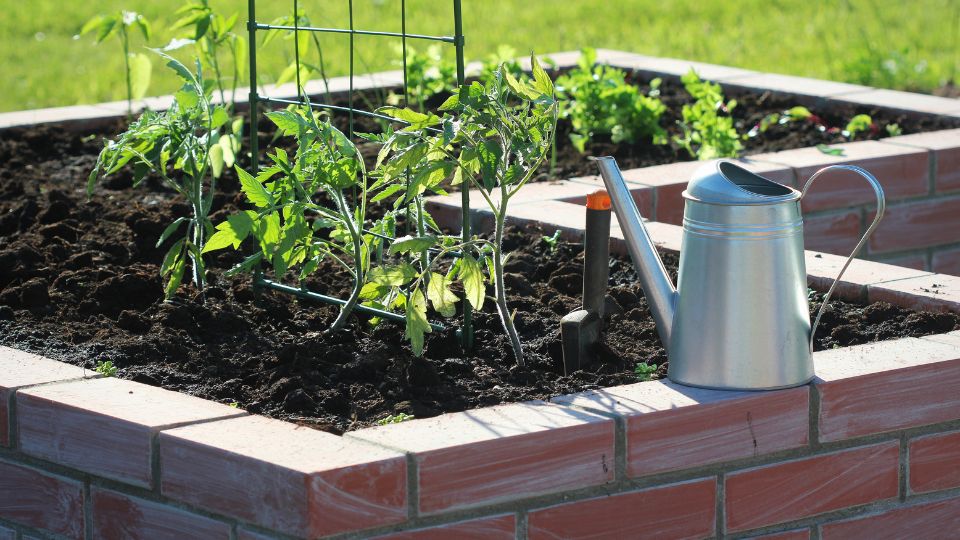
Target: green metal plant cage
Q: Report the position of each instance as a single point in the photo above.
(255, 99)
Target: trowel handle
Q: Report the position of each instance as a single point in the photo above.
(881, 206)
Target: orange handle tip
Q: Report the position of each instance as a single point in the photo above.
(598, 200)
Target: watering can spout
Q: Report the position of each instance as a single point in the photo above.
(656, 283)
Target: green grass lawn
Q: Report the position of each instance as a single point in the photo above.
(891, 43)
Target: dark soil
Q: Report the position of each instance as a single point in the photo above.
(79, 282)
(824, 127)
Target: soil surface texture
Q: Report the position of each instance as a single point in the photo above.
(79, 282)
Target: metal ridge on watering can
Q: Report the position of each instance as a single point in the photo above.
(739, 317)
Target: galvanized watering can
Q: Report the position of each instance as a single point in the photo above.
(738, 318)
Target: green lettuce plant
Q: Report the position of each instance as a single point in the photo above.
(180, 146)
(137, 66)
(597, 100)
(708, 130)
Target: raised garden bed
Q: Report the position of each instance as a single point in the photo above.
(80, 282)
(525, 470)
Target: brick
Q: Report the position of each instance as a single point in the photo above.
(903, 101)
(916, 261)
(670, 203)
(902, 171)
(835, 233)
(105, 426)
(246, 534)
(494, 528)
(672, 427)
(319, 484)
(806, 487)
(40, 500)
(886, 386)
(931, 520)
(569, 218)
(642, 195)
(121, 516)
(673, 66)
(917, 224)
(813, 90)
(931, 292)
(796, 534)
(947, 261)
(665, 236)
(21, 369)
(945, 146)
(799, 86)
(502, 453)
(822, 269)
(935, 462)
(686, 510)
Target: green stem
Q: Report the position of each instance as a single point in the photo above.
(126, 65)
(347, 308)
(212, 54)
(501, 293)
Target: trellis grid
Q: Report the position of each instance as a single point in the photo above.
(457, 40)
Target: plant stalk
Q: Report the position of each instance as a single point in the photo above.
(347, 308)
(126, 65)
(501, 292)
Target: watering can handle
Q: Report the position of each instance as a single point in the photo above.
(881, 206)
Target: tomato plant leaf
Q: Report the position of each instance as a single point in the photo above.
(541, 81)
(392, 276)
(169, 230)
(253, 189)
(416, 244)
(472, 278)
(140, 71)
(417, 323)
(440, 295)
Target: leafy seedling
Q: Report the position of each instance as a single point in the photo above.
(428, 74)
(394, 419)
(597, 100)
(137, 66)
(829, 150)
(553, 241)
(858, 124)
(183, 147)
(303, 71)
(106, 368)
(210, 33)
(708, 130)
(644, 371)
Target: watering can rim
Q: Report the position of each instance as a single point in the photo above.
(725, 183)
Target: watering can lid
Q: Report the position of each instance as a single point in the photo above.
(725, 182)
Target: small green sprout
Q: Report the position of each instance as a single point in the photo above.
(553, 241)
(858, 124)
(894, 130)
(645, 371)
(106, 368)
(234, 404)
(394, 419)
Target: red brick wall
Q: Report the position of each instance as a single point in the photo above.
(871, 449)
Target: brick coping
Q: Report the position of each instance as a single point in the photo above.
(168, 453)
(115, 455)
(807, 89)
